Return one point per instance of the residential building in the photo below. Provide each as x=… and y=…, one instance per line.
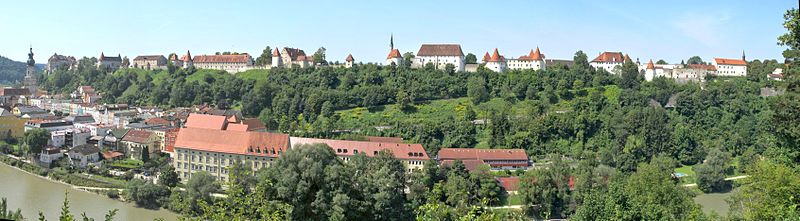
x=776, y=75
x=112, y=155
x=534, y=60
x=150, y=62
x=495, y=62
x=86, y=94
x=11, y=126
x=287, y=57
x=693, y=73
x=608, y=61
x=60, y=61
x=730, y=67
x=136, y=142
x=413, y=156
x=50, y=154
x=85, y=154
x=232, y=63
x=76, y=137
x=50, y=126
x=348, y=62
x=497, y=159
x=20, y=110
x=109, y=63
x=214, y=150
x=440, y=55
x=9, y=97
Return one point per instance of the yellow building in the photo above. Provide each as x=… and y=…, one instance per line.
x=12, y=126
x=413, y=156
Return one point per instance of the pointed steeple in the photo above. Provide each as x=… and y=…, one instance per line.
x=391, y=41
x=102, y=56
x=743, y=57
x=650, y=64
x=495, y=56
x=486, y=57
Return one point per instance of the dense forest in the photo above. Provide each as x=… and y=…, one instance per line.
x=11, y=71
x=616, y=136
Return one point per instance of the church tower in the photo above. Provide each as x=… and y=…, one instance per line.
x=30, y=77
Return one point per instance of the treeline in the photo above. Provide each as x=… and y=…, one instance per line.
x=11, y=71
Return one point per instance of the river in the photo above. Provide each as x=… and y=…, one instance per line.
x=33, y=194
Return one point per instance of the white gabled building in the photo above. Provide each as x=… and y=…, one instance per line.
x=608, y=61
x=534, y=60
x=495, y=62
x=440, y=55
x=730, y=67
x=394, y=57
x=349, y=61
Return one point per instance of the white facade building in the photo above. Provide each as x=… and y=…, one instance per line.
x=730, y=67
x=534, y=60
x=608, y=61
x=230, y=63
x=495, y=62
x=440, y=55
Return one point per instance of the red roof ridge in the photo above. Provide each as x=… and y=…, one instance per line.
x=349, y=57
x=727, y=61
x=395, y=53
x=650, y=64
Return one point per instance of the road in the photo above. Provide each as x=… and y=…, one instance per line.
x=729, y=178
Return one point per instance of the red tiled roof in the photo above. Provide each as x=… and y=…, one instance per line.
x=496, y=56
x=385, y=139
x=276, y=53
x=206, y=121
x=395, y=53
x=350, y=148
x=238, y=58
x=187, y=56
x=627, y=58
x=486, y=56
x=254, y=124
x=440, y=50
x=533, y=56
x=349, y=58
x=156, y=121
x=138, y=136
x=482, y=154
x=725, y=61
x=650, y=64
x=509, y=183
x=111, y=154
x=237, y=127
x=609, y=57
x=233, y=142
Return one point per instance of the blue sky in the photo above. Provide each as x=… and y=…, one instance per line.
x=670, y=30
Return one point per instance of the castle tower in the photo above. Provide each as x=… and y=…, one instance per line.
x=276, y=58
x=650, y=71
x=30, y=78
x=187, y=61
x=348, y=62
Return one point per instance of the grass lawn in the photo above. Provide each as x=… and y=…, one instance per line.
x=127, y=163
x=256, y=74
x=690, y=175
x=512, y=200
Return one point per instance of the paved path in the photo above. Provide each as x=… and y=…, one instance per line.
x=729, y=178
x=507, y=207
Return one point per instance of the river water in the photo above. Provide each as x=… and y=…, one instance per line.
x=33, y=194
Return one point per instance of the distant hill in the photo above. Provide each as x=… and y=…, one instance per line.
x=13, y=71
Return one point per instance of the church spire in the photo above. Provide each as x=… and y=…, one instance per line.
x=743, y=57
x=391, y=41
x=31, y=62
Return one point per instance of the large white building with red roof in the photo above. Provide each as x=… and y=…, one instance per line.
x=730, y=67
x=608, y=61
x=495, y=62
x=497, y=159
x=533, y=60
x=413, y=156
x=232, y=63
x=291, y=56
x=440, y=55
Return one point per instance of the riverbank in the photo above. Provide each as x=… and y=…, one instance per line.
x=32, y=194
x=55, y=175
